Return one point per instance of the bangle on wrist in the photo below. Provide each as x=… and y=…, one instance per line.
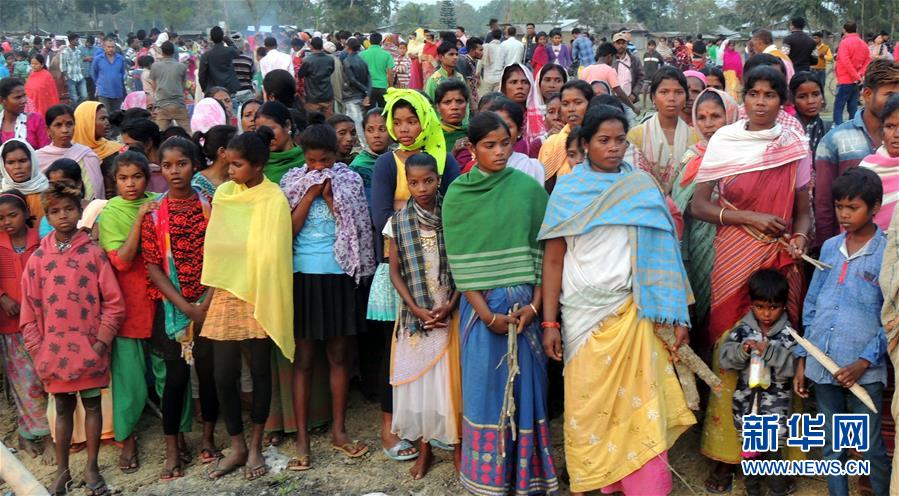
x=492, y=321
x=547, y=325
x=721, y=216
x=536, y=313
x=800, y=235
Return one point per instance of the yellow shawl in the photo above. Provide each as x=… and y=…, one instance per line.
x=553, y=155
x=85, y=131
x=248, y=252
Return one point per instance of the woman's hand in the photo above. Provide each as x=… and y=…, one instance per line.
x=552, y=343
x=10, y=307
x=197, y=314
x=500, y=323
x=771, y=225
x=421, y=314
x=681, y=338
x=438, y=316
x=99, y=348
x=797, y=246
x=327, y=191
x=525, y=316
x=147, y=208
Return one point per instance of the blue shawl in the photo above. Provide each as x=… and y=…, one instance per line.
x=586, y=199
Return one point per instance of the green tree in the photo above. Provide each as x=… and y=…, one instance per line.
x=96, y=8
x=447, y=14
x=362, y=15
x=412, y=16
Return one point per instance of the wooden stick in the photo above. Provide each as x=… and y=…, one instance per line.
x=688, y=384
x=689, y=358
x=832, y=367
x=17, y=476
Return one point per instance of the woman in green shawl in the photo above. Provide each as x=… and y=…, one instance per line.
x=377, y=142
x=451, y=100
x=284, y=153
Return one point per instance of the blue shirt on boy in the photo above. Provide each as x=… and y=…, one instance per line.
x=842, y=310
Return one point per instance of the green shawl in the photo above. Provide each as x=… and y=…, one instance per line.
x=491, y=224
x=364, y=165
x=452, y=134
x=117, y=218
x=281, y=162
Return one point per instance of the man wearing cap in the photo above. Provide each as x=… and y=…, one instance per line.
x=492, y=26
x=628, y=67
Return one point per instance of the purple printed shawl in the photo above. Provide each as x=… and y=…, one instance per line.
x=353, y=248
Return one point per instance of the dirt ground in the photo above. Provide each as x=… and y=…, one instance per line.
x=332, y=474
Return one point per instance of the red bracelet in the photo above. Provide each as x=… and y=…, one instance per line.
x=554, y=325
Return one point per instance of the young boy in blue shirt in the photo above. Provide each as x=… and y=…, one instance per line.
x=842, y=318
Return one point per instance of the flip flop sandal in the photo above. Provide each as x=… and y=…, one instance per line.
x=719, y=483
x=98, y=488
x=403, y=445
x=253, y=473
x=129, y=465
x=354, y=449
x=217, y=473
x=301, y=463
x=208, y=456
x=169, y=475
x=274, y=439
x=440, y=445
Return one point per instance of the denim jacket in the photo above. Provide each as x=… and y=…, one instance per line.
x=842, y=310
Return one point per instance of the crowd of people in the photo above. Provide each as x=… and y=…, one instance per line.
x=449, y=221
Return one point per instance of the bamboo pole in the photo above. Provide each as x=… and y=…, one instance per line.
x=17, y=476
x=688, y=357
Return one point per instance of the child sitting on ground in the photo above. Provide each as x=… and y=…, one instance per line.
x=761, y=349
x=842, y=318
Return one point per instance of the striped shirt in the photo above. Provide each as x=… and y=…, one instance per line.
x=842, y=148
x=70, y=64
x=243, y=67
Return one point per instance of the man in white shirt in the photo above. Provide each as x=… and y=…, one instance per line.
x=512, y=49
x=490, y=68
x=274, y=59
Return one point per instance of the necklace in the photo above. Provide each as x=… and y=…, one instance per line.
x=63, y=245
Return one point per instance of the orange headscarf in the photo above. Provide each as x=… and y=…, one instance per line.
x=86, y=131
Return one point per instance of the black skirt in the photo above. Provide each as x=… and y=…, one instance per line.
x=327, y=306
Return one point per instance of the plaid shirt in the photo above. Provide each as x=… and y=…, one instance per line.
x=71, y=64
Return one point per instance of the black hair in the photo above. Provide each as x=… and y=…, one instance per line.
x=375, y=38
x=608, y=100
x=606, y=49
x=596, y=116
x=316, y=43
x=62, y=190
x=319, y=137
x=353, y=44
x=406, y=104
x=72, y=37
x=483, y=124
x=175, y=131
x=801, y=78
x=445, y=47
x=890, y=107
x=485, y=100
x=552, y=67
x=422, y=160
x=763, y=59
x=261, y=51
x=670, y=73
x=145, y=61
x=858, y=182
x=371, y=113
x=13, y=197
x=764, y=36
x=472, y=43
x=451, y=85
x=709, y=96
x=497, y=34
x=168, y=48
x=553, y=96
x=270, y=42
x=798, y=22
x=768, y=285
x=511, y=31
x=297, y=43
x=187, y=148
x=336, y=119
x=120, y=117
x=711, y=70
x=573, y=137
x=70, y=170
x=9, y=84
x=516, y=113
x=216, y=34
x=579, y=85
x=277, y=112
x=281, y=85
x=253, y=145
x=215, y=89
x=12, y=146
x=213, y=139
x=143, y=130
x=772, y=76
x=651, y=42
x=40, y=58
x=57, y=111
x=132, y=157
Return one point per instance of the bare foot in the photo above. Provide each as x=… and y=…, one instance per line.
x=423, y=463
x=30, y=447
x=48, y=458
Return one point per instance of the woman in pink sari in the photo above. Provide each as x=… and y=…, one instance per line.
x=732, y=64
x=761, y=171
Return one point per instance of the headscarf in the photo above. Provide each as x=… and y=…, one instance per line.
x=731, y=114
x=240, y=129
x=86, y=130
x=135, y=99
x=37, y=183
x=533, y=120
x=162, y=38
x=431, y=137
x=353, y=246
x=657, y=157
x=208, y=112
x=698, y=75
x=87, y=160
x=117, y=219
x=731, y=60
x=887, y=168
x=735, y=150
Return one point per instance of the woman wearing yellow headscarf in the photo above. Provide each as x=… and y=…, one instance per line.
x=91, y=126
x=413, y=124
